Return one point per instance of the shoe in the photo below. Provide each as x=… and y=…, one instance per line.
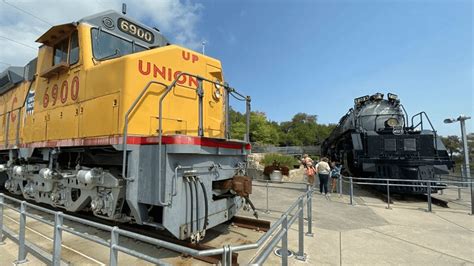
x=328, y=194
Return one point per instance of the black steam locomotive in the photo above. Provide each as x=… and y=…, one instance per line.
x=376, y=139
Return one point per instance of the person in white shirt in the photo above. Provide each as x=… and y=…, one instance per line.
x=323, y=170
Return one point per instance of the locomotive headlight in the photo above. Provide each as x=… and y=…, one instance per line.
x=392, y=122
x=217, y=90
x=392, y=97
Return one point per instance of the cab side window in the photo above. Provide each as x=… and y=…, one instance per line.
x=60, y=52
x=67, y=49
x=74, y=50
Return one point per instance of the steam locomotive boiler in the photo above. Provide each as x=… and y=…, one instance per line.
x=374, y=139
x=112, y=119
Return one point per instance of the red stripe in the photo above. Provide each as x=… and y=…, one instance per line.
x=137, y=140
x=188, y=140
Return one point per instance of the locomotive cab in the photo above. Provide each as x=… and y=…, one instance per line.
x=60, y=51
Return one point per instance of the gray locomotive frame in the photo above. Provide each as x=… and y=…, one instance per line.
x=180, y=195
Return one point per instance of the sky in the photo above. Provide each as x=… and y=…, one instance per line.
x=299, y=56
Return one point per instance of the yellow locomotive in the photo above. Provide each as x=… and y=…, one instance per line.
x=112, y=119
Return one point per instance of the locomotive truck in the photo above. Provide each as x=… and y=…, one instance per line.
x=112, y=119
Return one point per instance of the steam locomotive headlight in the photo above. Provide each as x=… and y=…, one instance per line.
x=392, y=122
x=217, y=90
x=392, y=97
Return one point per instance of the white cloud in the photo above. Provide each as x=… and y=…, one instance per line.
x=176, y=19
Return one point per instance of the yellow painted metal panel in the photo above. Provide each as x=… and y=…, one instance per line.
x=164, y=65
x=63, y=123
x=2, y=129
x=98, y=117
x=37, y=128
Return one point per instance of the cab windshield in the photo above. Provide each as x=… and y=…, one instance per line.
x=107, y=46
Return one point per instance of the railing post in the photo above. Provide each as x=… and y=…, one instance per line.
x=267, y=211
x=439, y=177
x=200, y=93
x=429, y=195
x=284, y=242
x=300, y=255
x=472, y=196
x=460, y=185
x=226, y=256
x=247, y=119
x=114, y=241
x=351, y=191
x=340, y=186
x=58, y=223
x=21, y=235
x=309, y=212
x=226, y=110
x=1, y=219
x=388, y=194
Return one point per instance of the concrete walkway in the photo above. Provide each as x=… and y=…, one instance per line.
x=365, y=234
x=370, y=234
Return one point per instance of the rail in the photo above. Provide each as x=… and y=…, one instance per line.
x=387, y=182
x=278, y=232
x=200, y=92
x=420, y=114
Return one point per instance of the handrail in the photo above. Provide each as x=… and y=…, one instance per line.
x=125, y=127
x=169, y=87
x=281, y=225
x=405, y=124
x=200, y=92
x=420, y=114
x=423, y=183
x=405, y=180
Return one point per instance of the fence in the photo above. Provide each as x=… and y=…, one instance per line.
x=290, y=150
x=277, y=233
x=428, y=184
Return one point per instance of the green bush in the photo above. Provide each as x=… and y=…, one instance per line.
x=284, y=160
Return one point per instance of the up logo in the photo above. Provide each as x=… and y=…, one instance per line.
x=189, y=57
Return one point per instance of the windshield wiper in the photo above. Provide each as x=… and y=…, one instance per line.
x=115, y=54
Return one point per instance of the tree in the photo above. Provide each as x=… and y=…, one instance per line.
x=237, y=124
x=452, y=144
x=302, y=130
x=262, y=131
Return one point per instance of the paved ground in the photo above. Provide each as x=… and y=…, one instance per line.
x=365, y=234
x=370, y=234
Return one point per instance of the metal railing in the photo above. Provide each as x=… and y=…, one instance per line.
x=292, y=150
x=387, y=182
x=200, y=93
x=278, y=232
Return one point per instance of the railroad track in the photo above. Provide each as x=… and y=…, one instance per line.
x=239, y=221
